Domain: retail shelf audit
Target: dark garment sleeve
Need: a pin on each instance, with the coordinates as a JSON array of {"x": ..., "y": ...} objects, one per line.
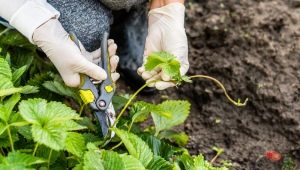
[
  {"x": 122, "y": 4},
  {"x": 88, "y": 19}
]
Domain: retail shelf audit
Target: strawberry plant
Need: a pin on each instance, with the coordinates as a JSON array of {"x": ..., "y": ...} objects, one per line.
[{"x": 45, "y": 125}]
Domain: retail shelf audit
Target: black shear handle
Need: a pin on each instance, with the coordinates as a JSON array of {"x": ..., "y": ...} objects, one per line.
[
  {"x": 107, "y": 87},
  {"x": 105, "y": 64}
]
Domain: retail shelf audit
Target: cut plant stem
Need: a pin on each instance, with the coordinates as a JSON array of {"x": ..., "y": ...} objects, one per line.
[
  {"x": 10, "y": 138},
  {"x": 236, "y": 103}
]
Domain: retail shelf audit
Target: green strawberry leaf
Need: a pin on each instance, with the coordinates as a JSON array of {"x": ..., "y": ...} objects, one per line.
[
  {"x": 112, "y": 160},
  {"x": 18, "y": 160},
  {"x": 18, "y": 73},
  {"x": 12, "y": 90},
  {"x": 75, "y": 143},
  {"x": 131, "y": 163},
  {"x": 197, "y": 162},
  {"x": 92, "y": 159},
  {"x": 179, "y": 111},
  {"x": 135, "y": 146},
  {"x": 7, "y": 108},
  {"x": 58, "y": 86},
  {"x": 179, "y": 138},
  {"x": 6, "y": 85},
  {"x": 160, "y": 147},
  {"x": 3, "y": 127},
  {"x": 50, "y": 121},
  {"x": 52, "y": 135},
  {"x": 5, "y": 70},
  {"x": 158, "y": 163},
  {"x": 166, "y": 62}
]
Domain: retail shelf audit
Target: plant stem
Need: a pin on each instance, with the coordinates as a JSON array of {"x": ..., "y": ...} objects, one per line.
[
  {"x": 4, "y": 31},
  {"x": 71, "y": 157},
  {"x": 215, "y": 158},
  {"x": 130, "y": 100},
  {"x": 35, "y": 149},
  {"x": 2, "y": 151},
  {"x": 125, "y": 107},
  {"x": 10, "y": 138},
  {"x": 49, "y": 158},
  {"x": 81, "y": 109},
  {"x": 130, "y": 126},
  {"x": 116, "y": 146},
  {"x": 236, "y": 103}
]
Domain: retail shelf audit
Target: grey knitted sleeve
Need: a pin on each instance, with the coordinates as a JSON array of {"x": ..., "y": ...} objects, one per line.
[
  {"x": 122, "y": 4},
  {"x": 88, "y": 19}
]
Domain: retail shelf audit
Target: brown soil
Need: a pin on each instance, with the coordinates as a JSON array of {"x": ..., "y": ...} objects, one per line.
[{"x": 253, "y": 47}]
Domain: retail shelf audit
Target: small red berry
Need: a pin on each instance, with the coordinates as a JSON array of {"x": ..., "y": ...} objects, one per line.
[{"x": 273, "y": 155}]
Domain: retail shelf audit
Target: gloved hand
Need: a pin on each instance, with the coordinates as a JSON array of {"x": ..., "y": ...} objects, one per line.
[
  {"x": 95, "y": 57},
  {"x": 166, "y": 33},
  {"x": 69, "y": 60}
]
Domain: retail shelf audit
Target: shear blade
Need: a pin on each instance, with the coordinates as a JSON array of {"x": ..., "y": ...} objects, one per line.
[
  {"x": 103, "y": 121},
  {"x": 106, "y": 119}
]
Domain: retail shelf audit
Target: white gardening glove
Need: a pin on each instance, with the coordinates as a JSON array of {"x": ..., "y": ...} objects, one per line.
[
  {"x": 66, "y": 56},
  {"x": 166, "y": 33}
]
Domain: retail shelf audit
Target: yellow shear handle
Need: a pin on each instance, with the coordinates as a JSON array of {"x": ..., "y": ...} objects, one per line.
[
  {"x": 87, "y": 96},
  {"x": 109, "y": 88}
]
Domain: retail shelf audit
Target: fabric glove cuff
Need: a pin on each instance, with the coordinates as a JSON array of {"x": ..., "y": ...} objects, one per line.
[
  {"x": 174, "y": 11},
  {"x": 31, "y": 15}
]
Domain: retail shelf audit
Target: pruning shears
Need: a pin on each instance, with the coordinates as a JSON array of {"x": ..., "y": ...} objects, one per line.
[{"x": 99, "y": 95}]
